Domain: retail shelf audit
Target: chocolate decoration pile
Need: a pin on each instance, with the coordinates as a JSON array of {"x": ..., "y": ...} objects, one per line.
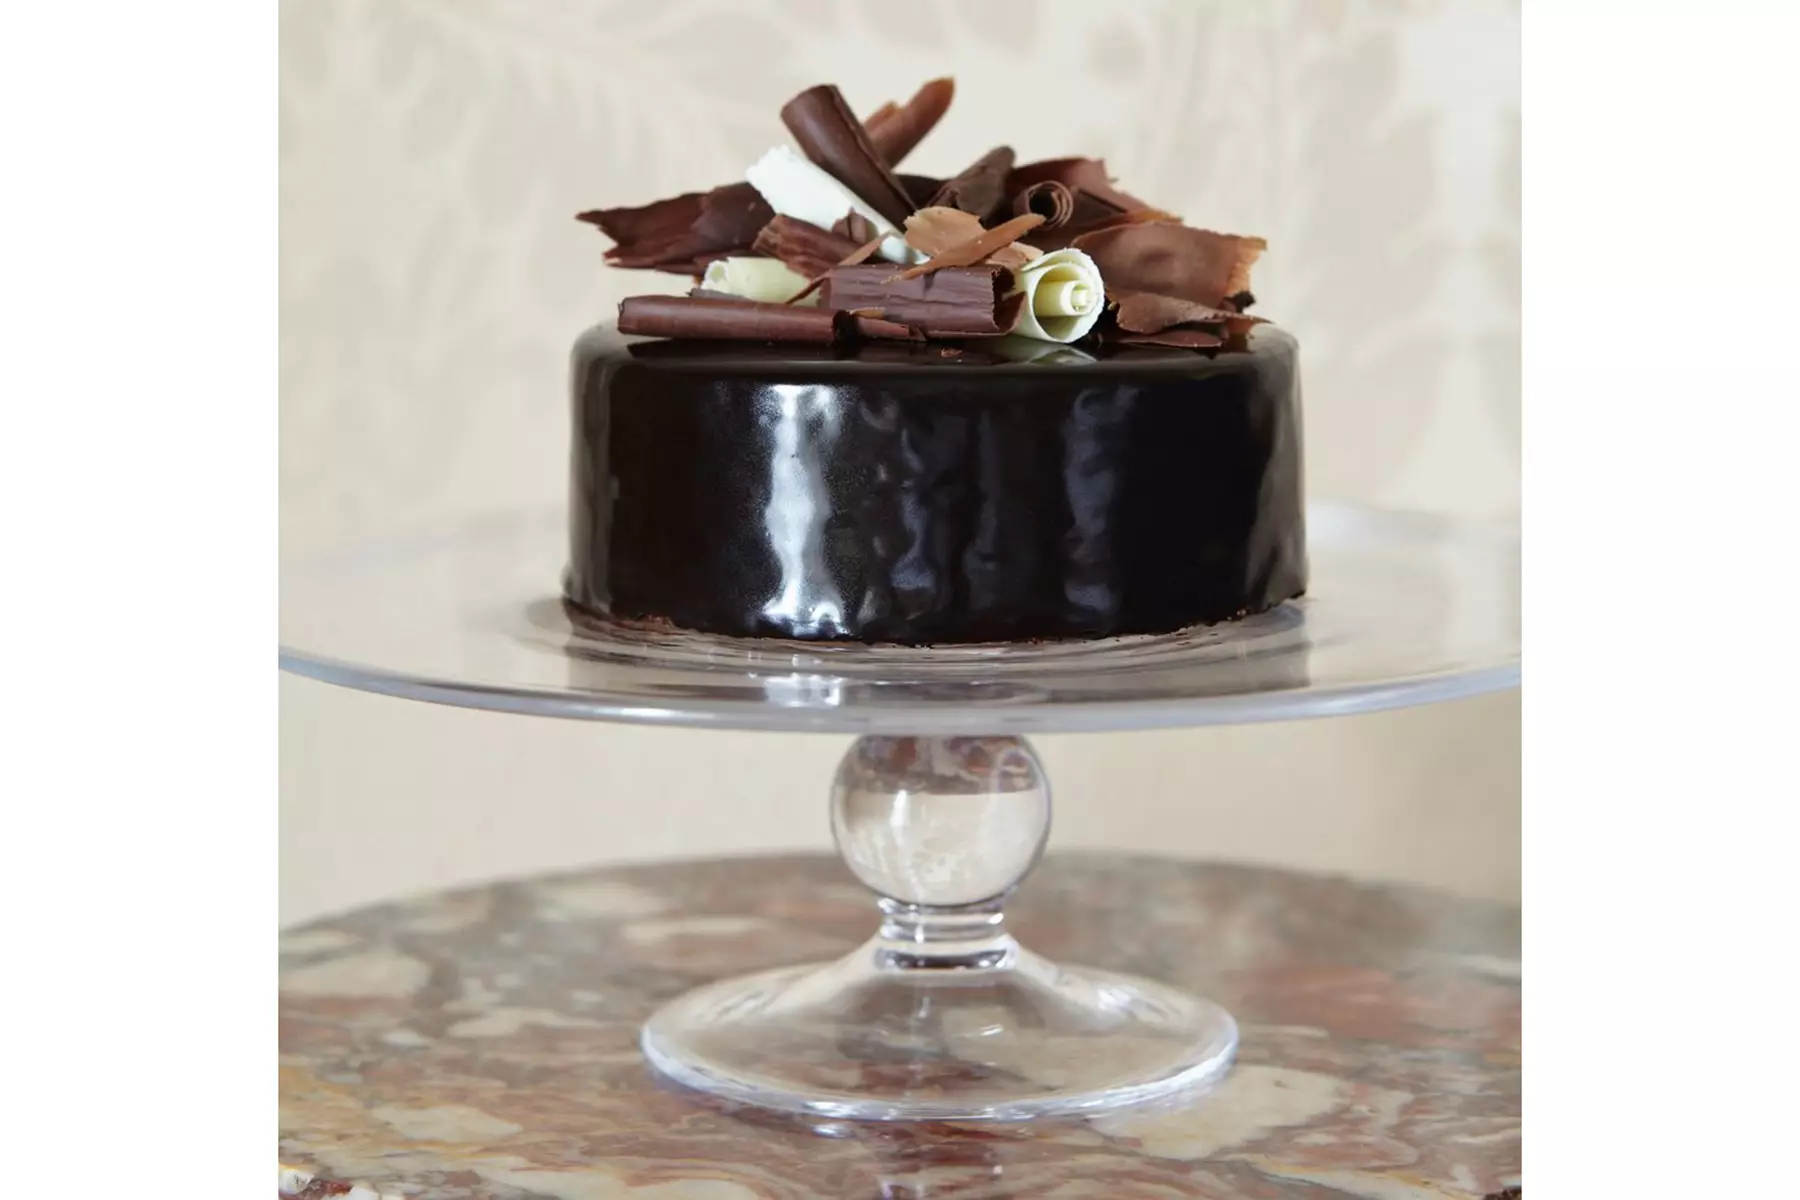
[{"x": 877, "y": 254}]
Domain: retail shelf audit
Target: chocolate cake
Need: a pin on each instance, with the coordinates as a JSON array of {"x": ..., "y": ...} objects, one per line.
[{"x": 1014, "y": 404}]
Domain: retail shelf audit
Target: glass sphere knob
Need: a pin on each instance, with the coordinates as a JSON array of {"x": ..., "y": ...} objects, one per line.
[{"x": 940, "y": 822}]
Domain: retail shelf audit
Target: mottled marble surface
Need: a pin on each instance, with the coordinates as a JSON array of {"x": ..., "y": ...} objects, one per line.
[{"x": 482, "y": 1043}]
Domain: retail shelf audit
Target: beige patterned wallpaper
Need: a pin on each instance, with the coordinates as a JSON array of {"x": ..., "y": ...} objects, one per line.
[{"x": 433, "y": 153}]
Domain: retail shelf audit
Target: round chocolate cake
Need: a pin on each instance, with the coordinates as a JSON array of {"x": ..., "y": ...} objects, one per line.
[
  {"x": 924, "y": 493},
  {"x": 1008, "y": 404}
]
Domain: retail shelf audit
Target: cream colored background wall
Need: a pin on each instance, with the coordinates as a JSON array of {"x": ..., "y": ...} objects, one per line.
[{"x": 433, "y": 153}]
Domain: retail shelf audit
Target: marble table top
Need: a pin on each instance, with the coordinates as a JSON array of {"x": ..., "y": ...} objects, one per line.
[{"x": 482, "y": 1043}]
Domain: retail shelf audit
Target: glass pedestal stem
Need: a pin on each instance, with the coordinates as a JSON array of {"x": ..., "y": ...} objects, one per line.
[{"x": 942, "y": 1014}]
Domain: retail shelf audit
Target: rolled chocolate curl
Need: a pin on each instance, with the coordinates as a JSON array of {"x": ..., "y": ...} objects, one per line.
[
  {"x": 749, "y": 320},
  {"x": 895, "y": 129},
  {"x": 979, "y": 188},
  {"x": 1078, "y": 175},
  {"x": 972, "y": 301},
  {"x": 1064, "y": 296},
  {"x": 766, "y": 279},
  {"x": 831, "y": 136},
  {"x": 1080, "y": 225},
  {"x": 683, "y": 233},
  {"x": 1050, "y": 200},
  {"x": 1173, "y": 260}
]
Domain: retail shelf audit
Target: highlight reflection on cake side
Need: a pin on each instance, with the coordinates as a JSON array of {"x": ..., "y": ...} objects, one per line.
[
  {"x": 807, "y": 602},
  {"x": 1092, "y": 437}
]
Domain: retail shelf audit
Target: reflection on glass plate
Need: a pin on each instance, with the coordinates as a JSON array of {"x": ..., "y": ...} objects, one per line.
[{"x": 1402, "y": 609}]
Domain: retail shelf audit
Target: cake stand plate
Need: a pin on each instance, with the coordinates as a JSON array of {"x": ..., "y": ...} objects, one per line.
[
  {"x": 939, "y": 806},
  {"x": 1403, "y": 609}
]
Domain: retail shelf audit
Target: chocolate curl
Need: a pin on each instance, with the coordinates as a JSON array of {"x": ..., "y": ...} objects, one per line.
[
  {"x": 895, "y": 129},
  {"x": 1173, "y": 260},
  {"x": 920, "y": 188},
  {"x": 855, "y": 226},
  {"x": 1146, "y": 312},
  {"x": 980, "y": 188},
  {"x": 1051, "y": 200},
  {"x": 1063, "y": 205},
  {"x": 1078, "y": 175},
  {"x": 935, "y": 230},
  {"x": 956, "y": 301},
  {"x": 857, "y": 256},
  {"x": 977, "y": 248},
  {"x": 1078, "y": 225},
  {"x": 751, "y": 320},
  {"x": 805, "y": 247},
  {"x": 682, "y": 234},
  {"x": 877, "y": 327},
  {"x": 1182, "y": 337},
  {"x": 831, "y": 136}
]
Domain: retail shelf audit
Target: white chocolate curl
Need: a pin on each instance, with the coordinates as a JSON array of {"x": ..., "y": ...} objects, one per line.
[
  {"x": 1064, "y": 296},
  {"x": 796, "y": 188},
  {"x": 767, "y": 279}
]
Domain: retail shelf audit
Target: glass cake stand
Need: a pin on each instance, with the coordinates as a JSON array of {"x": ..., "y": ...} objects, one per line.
[{"x": 940, "y": 806}]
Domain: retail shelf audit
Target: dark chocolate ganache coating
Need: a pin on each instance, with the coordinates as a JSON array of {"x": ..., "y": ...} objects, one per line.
[{"x": 923, "y": 493}]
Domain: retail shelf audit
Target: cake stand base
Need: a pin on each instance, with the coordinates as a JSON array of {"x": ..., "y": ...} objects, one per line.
[{"x": 942, "y": 1015}]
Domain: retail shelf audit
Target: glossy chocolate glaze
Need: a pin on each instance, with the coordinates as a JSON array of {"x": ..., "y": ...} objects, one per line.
[{"x": 929, "y": 494}]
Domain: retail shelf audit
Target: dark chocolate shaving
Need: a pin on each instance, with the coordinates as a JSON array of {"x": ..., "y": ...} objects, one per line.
[
  {"x": 854, "y": 226},
  {"x": 1077, "y": 174},
  {"x": 978, "y": 189},
  {"x": 956, "y": 301},
  {"x": 895, "y": 129},
  {"x": 1051, "y": 200},
  {"x": 1080, "y": 224},
  {"x": 878, "y": 327},
  {"x": 921, "y": 188},
  {"x": 1184, "y": 337},
  {"x": 753, "y": 320},
  {"x": 1146, "y": 312},
  {"x": 1172, "y": 260},
  {"x": 684, "y": 233},
  {"x": 835, "y": 140},
  {"x": 934, "y": 229},
  {"x": 861, "y": 254},
  {"x": 1241, "y": 301},
  {"x": 804, "y": 247},
  {"x": 976, "y": 248}
]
